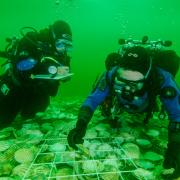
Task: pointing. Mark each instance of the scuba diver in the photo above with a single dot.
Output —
(136, 82)
(166, 59)
(35, 66)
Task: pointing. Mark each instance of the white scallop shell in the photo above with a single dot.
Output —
(4, 145)
(42, 169)
(110, 176)
(20, 170)
(24, 155)
(57, 147)
(92, 166)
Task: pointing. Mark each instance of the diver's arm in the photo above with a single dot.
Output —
(86, 111)
(170, 96)
(92, 101)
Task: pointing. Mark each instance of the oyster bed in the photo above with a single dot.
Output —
(38, 148)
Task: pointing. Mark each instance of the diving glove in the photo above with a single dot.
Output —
(76, 135)
(172, 156)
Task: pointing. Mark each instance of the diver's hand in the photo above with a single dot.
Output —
(75, 137)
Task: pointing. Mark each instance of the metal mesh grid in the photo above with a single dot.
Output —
(58, 160)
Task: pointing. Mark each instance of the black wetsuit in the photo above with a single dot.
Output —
(18, 92)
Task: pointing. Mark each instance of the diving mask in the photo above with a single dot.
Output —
(63, 45)
(127, 88)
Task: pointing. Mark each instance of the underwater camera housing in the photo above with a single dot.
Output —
(152, 46)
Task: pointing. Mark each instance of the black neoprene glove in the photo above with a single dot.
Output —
(172, 156)
(76, 135)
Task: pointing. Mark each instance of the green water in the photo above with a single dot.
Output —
(97, 25)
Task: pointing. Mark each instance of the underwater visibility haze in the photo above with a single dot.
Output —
(37, 148)
(97, 25)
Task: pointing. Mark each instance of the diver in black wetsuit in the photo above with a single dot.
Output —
(36, 65)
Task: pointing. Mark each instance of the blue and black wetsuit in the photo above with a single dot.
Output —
(170, 96)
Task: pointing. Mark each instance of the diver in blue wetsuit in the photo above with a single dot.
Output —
(36, 64)
(136, 82)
